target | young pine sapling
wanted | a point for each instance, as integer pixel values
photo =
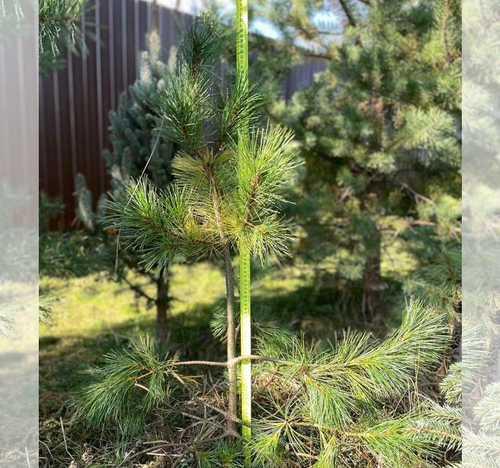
(226, 188)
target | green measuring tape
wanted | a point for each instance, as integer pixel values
(242, 39)
(245, 254)
(246, 342)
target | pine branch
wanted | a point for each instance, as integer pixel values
(348, 12)
(130, 385)
(59, 30)
(264, 166)
(202, 45)
(231, 362)
(358, 368)
(184, 107)
(159, 225)
(238, 110)
(139, 290)
(396, 442)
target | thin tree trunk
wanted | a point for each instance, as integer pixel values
(231, 345)
(231, 338)
(373, 285)
(348, 12)
(162, 306)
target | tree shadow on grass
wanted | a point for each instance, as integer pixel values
(66, 360)
(318, 313)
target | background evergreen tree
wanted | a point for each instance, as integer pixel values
(380, 135)
(137, 152)
(479, 370)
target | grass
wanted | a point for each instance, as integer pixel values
(93, 314)
(94, 304)
(90, 314)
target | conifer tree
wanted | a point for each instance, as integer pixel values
(226, 188)
(136, 152)
(358, 401)
(379, 130)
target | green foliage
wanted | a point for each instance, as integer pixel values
(224, 455)
(451, 385)
(137, 151)
(378, 134)
(202, 46)
(185, 107)
(238, 109)
(128, 387)
(48, 210)
(365, 370)
(158, 224)
(379, 130)
(197, 111)
(265, 164)
(66, 254)
(184, 220)
(223, 194)
(438, 280)
(73, 254)
(356, 401)
(335, 404)
(59, 31)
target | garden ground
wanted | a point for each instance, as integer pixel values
(90, 314)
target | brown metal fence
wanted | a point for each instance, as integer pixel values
(75, 101)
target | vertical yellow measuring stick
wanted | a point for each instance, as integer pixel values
(246, 344)
(245, 254)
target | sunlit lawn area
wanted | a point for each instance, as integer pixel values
(91, 314)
